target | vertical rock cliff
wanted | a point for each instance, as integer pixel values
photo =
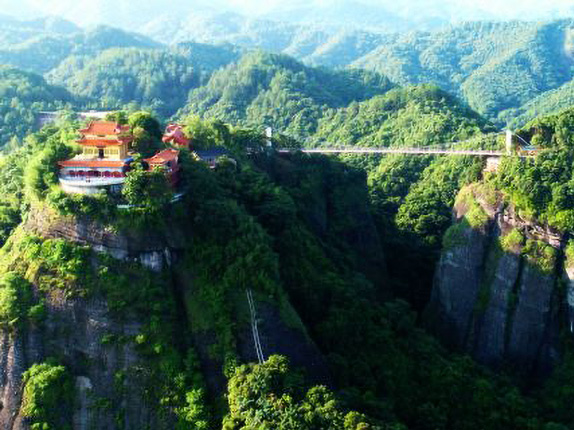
(497, 291)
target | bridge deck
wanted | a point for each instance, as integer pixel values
(425, 151)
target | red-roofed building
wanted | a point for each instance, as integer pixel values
(100, 166)
(169, 160)
(105, 159)
(174, 135)
(104, 128)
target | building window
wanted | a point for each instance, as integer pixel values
(101, 153)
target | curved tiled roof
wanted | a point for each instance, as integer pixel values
(105, 128)
(164, 156)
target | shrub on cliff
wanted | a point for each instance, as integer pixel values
(16, 299)
(41, 173)
(540, 255)
(47, 397)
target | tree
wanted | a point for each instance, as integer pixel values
(270, 396)
(47, 397)
(148, 192)
(146, 132)
(121, 117)
(147, 122)
(15, 299)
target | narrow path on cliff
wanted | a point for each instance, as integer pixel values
(254, 326)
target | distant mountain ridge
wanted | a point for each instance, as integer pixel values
(373, 15)
(508, 72)
(47, 49)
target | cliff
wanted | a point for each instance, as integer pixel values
(497, 290)
(80, 330)
(123, 311)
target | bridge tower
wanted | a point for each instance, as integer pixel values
(509, 142)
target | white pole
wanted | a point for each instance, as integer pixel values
(509, 136)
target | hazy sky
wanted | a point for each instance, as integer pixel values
(497, 7)
(83, 11)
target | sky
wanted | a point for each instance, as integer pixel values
(86, 12)
(496, 7)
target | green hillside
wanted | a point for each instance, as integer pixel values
(552, 101)
(44, 51)
(22, 96)
(412, 116)
(494, 67)
(294, 229)
(282, 290)
(153, 78)
(278, 91)
(14, 31)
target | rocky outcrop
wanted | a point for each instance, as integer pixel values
(153, 250)
(496, 291)
(95, 345)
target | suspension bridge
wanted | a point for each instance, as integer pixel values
(420, 151)
(451, 148)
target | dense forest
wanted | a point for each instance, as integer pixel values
(280, 92)
(22, 96)
(119, 76)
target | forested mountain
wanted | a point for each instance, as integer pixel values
(372, 15)
(497, 68)
(278, 91)
(140, 310)
(158, 79)
(549, 102)
(46, 50)
(411, 116)
(349, 107)
(494, 67)
(14, 31)
(508, 71)
(152, 78)
(22, 96)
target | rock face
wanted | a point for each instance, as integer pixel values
(498, 302)
(73, 332)
(153, 251)
(277, 337)
(84, 336)
(570, 297)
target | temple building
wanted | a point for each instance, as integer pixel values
(105, 160)
(105, 146)
(174, 135)
(211, 156)
(169, 160)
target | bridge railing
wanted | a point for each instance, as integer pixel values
(429, 151)
(450, 148)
